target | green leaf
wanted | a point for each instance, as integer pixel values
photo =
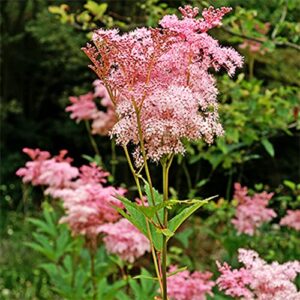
(68, 263)
(113, 289)
(138, 292)
(43, 226)
(202, 183)
(96, 9)
(144, 277)
(137, 224)
(176, 271)
(166, 231)
(50, 217)
(51, 269)
(268, 147)
(64, 243)
(175, 222)
(184, 236)
(138, 219)
(135, 216)
(147, 286)
(122, 296)
(150, 211)
(290, 184)
(41, 249)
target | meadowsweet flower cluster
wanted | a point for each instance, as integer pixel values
(160, 82)
(189, 286)
(88, 204)
(292, 219)
(258, 279)
(251, 212)
(123, 239)
(84, 108)
(46, 171)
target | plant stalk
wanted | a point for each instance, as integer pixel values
(113, 158)
(92, 140)
(137, 182)
(166, 166)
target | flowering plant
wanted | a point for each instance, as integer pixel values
(160, 84)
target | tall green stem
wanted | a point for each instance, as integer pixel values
(141, 140)
(92, 140)
(113, 158)
(166, 166)
(137, 182)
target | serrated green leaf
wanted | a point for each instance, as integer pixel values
(137, 290)
(63, 243)
(158, 199)
(67, 262)
(50, 217)
(41, 249)
(42, 226)
(50, 269)
(138, 219)
(175, 222)
(150, 211)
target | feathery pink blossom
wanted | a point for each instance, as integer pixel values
(258, 279)
(251, 212)
(89, 206)
(291, 219)
(46, 171)
(92, 174)
(189, 286)
(234, 282)
(161, 76)
(87, 203)
(123, 239)
(82, 107)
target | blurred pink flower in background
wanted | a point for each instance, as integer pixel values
(82, 107)
(251, 212)
(89, 206)
(258, 279)
(92, 174)
(103, 121)
(43, 170)
(87, 203)
(291, 219)
(125, 240)
(189, 286)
